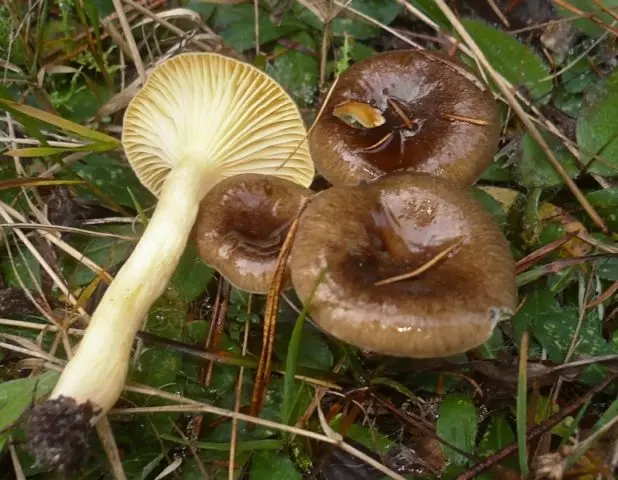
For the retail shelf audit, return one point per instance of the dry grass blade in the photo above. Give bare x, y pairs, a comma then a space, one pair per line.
531, 259
460, 118
499, 14
170, 26
517, 108
126, 29
423, 268
270, 317
606, 295
17, 468
48, 269
60, 122
382, 143
234, 438
106, 436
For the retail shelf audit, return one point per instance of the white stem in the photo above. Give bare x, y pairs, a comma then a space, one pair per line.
98, 370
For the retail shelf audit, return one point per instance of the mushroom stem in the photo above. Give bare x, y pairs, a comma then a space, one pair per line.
95, 376
140, 281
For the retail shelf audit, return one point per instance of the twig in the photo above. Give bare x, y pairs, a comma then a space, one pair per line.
534, 132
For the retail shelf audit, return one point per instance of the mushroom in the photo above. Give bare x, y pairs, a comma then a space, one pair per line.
199, 118
408, 265
241, 226
409, 111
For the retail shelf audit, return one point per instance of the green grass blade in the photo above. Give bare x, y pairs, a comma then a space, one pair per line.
34, 182
292, 357
49, 151
59, 122
246, 446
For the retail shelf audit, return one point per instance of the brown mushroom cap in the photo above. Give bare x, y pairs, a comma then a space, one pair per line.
360, 235
435, 93
241, 226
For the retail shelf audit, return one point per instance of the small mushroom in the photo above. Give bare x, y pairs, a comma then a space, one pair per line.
437, 118
242, 224
408, 265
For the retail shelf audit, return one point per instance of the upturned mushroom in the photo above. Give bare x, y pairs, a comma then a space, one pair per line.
242, 224
408, 265
199, 118
411, 111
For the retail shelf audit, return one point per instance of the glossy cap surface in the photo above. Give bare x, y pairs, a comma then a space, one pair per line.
365, 234
454, 129
220, 114
242, 224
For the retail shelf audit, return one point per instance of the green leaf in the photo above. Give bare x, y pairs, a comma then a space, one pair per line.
534, 170
373, 440
113, 178
579, 77
191, 276
104, 251
237, 26
555, 331
82, 104
205, 9
586, 25
24, 266
158, 366
59, 122
16, 397
297, 71
104, 7
313, 350
492, 205
606, 203
607, 269
497, 171
457, 424
608, 415
384, 11
539, 302
511, 58
597, 128
429, 8
498, 435
272, 466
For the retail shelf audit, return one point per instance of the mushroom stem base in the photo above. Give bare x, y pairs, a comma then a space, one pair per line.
58, 432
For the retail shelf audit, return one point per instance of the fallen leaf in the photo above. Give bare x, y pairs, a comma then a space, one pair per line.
356, 113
